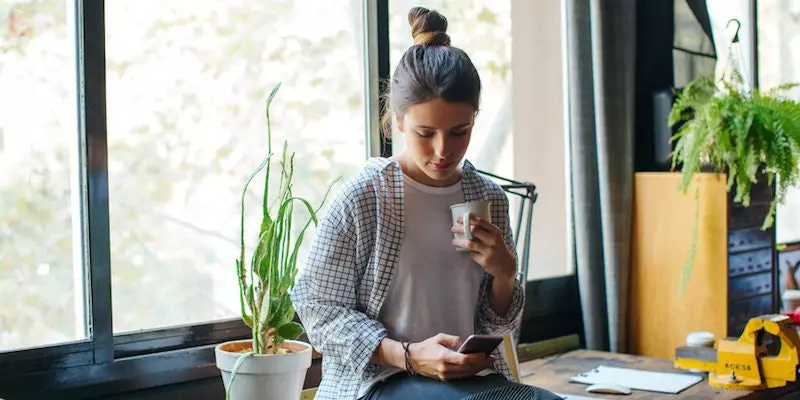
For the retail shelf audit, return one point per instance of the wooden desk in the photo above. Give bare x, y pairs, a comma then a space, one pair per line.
553, 373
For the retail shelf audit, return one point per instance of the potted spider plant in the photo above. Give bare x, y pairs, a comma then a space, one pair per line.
273, 363
750, 135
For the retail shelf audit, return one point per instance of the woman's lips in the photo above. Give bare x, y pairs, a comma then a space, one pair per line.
441, 165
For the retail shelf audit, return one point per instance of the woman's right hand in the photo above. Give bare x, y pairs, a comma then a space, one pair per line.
437, 358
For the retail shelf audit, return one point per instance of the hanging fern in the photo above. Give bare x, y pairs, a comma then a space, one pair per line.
741, 134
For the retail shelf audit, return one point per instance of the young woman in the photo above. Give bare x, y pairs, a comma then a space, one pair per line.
385, 295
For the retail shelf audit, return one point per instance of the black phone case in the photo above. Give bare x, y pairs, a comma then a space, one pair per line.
480, 345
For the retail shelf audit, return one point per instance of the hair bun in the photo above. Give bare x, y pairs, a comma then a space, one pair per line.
428, 27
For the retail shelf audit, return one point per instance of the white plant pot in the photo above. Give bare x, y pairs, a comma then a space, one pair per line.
264, 377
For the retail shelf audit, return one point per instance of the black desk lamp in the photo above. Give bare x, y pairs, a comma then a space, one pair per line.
527, 194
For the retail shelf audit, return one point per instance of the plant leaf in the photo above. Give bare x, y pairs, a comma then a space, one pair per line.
247, 319
272, 93
272, 266
264, 251
290, 331
284, 311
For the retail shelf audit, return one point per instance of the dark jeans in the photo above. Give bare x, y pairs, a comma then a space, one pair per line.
406, 387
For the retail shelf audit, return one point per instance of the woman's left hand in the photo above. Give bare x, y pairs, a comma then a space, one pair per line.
487, 248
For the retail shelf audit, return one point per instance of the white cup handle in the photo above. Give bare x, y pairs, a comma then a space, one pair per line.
467, 228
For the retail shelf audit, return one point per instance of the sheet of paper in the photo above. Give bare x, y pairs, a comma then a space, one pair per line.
574, 397
662, 382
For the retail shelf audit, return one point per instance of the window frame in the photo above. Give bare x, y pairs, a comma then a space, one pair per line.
106, 363
754, 66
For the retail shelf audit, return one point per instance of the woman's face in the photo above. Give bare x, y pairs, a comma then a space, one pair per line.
437, 135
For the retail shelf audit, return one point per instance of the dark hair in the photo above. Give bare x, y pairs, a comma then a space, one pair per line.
431, 68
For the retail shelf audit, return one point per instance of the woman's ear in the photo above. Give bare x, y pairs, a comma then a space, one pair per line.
398, 122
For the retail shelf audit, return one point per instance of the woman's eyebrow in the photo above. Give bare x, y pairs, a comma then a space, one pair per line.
433, 128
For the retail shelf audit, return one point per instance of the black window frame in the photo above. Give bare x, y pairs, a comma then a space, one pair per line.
107, 364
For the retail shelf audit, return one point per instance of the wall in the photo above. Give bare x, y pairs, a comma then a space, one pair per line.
540, 132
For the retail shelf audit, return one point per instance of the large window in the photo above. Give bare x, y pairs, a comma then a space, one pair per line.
186, 89
774, 48
482, 28
779, 63
41, 257
520, 130
123, 168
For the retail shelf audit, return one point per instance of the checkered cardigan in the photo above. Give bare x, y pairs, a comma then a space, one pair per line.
340, 291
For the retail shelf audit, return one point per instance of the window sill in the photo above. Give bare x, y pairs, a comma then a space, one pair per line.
121, 375
124, 375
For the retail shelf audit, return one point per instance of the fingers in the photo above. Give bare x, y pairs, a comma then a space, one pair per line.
457, 358
482, 231
437, 358
471, 245
478, 234
468, 369
451, 374
481, 223
449, 341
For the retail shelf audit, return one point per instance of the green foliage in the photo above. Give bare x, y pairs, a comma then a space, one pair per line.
741, 134
746, 135
265, 286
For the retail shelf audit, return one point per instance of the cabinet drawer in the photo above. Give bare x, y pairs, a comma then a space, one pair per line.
749, 239
740, 312
750, 262
749, 285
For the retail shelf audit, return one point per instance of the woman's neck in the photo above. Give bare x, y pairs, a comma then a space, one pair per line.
412, 171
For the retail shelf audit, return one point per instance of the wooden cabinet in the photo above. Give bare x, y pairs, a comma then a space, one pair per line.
734, 273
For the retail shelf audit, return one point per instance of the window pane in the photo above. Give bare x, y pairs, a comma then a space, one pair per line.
482, 28
186, 91
721, 12
779, 63
42, 286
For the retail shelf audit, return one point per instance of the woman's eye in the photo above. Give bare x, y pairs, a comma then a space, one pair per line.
459, 132
425, 133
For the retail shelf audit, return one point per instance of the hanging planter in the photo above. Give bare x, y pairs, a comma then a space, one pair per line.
748, 134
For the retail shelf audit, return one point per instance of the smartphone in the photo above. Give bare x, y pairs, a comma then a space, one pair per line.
480, 344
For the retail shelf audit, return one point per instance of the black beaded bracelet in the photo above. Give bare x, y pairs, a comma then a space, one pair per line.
410, 370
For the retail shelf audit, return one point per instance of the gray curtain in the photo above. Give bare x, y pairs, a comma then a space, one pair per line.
601, 74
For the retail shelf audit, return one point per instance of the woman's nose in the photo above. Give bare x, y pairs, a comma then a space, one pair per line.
441, 145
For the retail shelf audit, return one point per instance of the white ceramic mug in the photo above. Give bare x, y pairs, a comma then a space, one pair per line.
480, 209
